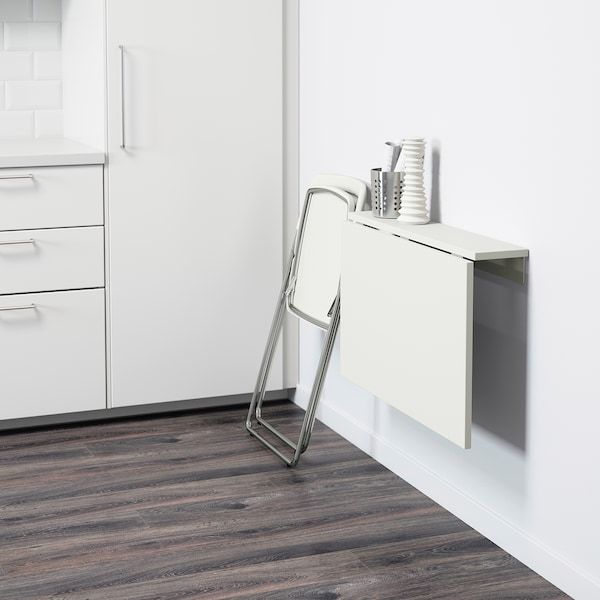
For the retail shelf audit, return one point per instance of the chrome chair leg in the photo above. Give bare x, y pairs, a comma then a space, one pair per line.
255, 411
320, 375
258, 396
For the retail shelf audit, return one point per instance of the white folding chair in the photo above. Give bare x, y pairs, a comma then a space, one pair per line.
310, 291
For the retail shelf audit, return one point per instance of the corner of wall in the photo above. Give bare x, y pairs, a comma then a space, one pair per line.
290, 170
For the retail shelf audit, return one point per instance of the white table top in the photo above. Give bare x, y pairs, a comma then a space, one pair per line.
47, 153
443, 237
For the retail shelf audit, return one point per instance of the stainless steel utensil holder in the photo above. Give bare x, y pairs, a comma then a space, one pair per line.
386, 189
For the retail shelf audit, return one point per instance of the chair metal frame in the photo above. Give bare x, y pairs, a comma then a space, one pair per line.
331, 327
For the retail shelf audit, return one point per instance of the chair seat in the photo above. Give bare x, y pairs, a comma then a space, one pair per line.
317, 267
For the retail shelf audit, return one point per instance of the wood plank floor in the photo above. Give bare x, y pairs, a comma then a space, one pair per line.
189, 506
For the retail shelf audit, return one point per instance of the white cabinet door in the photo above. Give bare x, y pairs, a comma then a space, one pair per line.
52, 357
194, 198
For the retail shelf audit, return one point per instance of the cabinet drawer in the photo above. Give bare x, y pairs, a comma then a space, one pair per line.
51, 259
46, 197
52, 353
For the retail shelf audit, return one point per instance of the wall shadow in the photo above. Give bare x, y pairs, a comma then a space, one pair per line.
500, 357
435, 211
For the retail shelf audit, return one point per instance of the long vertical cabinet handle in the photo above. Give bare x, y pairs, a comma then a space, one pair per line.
122, 52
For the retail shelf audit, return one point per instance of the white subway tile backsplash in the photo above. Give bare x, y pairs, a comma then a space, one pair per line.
46, 10
23, 95
16, 10
16, 124
48, 123
16, 65
47, 65
32, 36
30, 69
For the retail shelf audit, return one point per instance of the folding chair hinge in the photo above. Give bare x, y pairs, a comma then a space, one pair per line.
330, 311
291, 286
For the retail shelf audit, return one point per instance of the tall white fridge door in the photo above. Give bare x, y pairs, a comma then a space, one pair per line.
193, 195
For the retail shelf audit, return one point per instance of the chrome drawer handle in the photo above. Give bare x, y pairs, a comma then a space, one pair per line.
16, 242
27, 176
23, 307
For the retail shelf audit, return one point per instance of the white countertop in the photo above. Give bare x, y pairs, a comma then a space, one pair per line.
443, 237
47, 153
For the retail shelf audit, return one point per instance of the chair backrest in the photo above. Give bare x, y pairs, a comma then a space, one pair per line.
317, 265
350, 185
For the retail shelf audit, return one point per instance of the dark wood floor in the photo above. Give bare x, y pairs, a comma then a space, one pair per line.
190, 506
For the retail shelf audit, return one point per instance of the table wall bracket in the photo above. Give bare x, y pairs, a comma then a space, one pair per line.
513, 269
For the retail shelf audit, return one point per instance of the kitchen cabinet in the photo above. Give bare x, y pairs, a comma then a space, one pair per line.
145, 271
52, 305
52, 358
194, 195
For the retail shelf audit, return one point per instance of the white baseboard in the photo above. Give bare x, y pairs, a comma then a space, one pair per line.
530, 551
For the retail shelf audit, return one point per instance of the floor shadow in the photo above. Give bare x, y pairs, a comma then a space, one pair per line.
500, 358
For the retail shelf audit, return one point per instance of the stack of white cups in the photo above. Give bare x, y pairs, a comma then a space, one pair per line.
413, 203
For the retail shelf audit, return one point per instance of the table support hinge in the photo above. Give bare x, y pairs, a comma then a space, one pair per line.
513, 269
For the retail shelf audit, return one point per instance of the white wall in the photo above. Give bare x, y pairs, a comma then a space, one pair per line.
511, 91
30, 69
